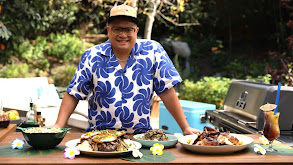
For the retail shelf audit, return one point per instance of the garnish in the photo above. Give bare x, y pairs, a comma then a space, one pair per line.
17, 143
264, 140
136, 154
70, 152
259, 149
157, 149
268, 107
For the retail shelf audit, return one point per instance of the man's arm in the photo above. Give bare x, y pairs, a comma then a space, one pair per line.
172, 103
67, 107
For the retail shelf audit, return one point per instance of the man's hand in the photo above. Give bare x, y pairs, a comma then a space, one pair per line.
190, 131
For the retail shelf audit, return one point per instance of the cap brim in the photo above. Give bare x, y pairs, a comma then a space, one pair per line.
133, 19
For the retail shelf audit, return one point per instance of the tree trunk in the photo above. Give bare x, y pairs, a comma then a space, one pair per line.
151, 18
132, 3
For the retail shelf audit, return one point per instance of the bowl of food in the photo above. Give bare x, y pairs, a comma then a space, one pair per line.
14, 117
43, 138
151, 137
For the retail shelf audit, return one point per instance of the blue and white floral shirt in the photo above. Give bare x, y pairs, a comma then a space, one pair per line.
121, 98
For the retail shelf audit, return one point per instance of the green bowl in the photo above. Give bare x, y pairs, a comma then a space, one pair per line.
149, 143
44, 140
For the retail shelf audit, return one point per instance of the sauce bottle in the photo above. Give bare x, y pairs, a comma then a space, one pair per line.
31, 115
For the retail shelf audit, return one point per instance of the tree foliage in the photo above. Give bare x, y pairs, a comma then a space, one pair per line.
284, 71
227, 32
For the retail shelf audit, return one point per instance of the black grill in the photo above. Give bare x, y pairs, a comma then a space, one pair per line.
241, 113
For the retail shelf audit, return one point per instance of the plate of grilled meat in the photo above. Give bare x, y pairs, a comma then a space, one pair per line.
104, 143
212, 141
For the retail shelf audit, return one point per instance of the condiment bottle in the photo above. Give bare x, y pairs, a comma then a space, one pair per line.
40, 121
31, 115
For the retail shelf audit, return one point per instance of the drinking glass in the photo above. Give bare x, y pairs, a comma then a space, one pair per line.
271, 128
4, 119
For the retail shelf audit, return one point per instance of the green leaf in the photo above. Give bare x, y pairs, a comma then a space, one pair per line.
149, 157
27, 150
281, 150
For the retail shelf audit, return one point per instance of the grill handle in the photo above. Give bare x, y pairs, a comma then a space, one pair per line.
238, 120
244, 122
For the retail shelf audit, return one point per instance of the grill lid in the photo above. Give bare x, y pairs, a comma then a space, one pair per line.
244, 98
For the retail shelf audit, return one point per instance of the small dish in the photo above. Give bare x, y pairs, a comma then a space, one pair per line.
149, 143
16, 121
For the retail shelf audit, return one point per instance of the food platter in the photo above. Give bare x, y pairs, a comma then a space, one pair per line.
149, 143
223, 149
73, 143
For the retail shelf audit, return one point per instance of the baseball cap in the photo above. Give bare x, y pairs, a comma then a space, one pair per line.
123, 11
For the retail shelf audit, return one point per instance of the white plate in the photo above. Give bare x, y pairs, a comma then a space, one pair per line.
73, 143
149, 143
224, 149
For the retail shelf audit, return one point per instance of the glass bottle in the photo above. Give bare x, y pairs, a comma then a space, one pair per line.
40, 119
31, 115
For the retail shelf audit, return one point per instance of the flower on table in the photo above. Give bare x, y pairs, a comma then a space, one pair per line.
70, 152
131, 145
136, 153
264, 140
157, 149
17, 143
259, 149
178, 135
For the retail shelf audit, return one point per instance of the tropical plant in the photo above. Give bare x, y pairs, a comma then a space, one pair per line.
15, 71
207, 90
62, 75
283, 72
64, 47
33, 52
23, 20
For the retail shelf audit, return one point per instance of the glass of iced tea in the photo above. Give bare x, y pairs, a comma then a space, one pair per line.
271, 128
4, 119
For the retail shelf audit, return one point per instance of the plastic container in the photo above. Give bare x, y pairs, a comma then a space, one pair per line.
192, 111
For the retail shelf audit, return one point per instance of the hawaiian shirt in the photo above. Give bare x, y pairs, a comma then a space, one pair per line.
119, 98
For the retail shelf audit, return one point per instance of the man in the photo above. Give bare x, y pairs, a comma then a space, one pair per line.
118, 78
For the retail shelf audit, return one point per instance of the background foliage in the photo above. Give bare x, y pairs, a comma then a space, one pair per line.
208, 90
240, 39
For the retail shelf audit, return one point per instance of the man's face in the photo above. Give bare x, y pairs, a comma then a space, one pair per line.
126, 39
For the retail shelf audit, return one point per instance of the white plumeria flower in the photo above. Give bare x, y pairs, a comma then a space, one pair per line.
131, 145
258, 148
17, 143
70, 152
188, 139
178, 135
136, 153
264, 140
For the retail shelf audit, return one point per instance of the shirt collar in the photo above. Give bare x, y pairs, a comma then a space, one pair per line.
106, 48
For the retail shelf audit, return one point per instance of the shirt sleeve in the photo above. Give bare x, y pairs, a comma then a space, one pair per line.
166, 75
81, 83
